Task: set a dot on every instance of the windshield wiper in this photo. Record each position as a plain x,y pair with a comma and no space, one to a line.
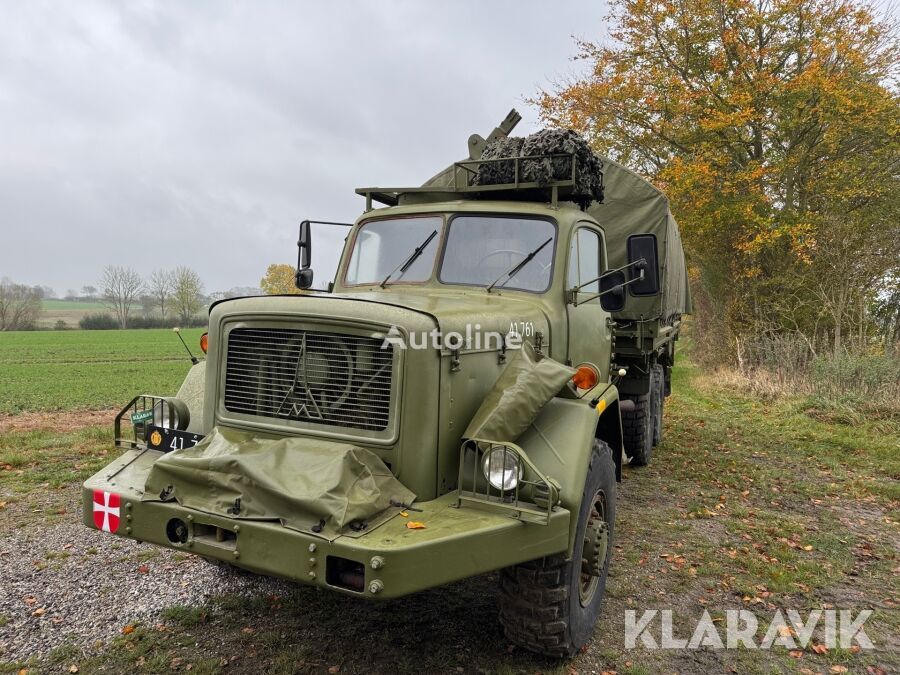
518,268
406,264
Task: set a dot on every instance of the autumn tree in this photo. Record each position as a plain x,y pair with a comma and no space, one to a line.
122,288
774,128
279,280
187,292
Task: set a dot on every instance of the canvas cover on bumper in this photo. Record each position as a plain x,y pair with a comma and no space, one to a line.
310,485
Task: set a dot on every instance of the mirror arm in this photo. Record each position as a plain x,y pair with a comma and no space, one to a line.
639,261
574,291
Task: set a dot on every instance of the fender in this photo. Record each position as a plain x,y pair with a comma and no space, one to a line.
191,393
560,441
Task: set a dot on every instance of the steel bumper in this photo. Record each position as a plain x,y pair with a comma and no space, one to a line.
389,561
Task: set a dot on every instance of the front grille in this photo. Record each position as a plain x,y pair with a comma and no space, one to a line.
310,376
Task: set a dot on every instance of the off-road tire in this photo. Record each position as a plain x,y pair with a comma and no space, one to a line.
540,601
637,429
658,394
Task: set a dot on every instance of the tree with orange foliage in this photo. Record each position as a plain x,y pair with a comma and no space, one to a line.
279,280
774,127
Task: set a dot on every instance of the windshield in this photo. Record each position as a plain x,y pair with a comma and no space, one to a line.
383,246
481,249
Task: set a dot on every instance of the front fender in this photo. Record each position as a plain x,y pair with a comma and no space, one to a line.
191,393
560,442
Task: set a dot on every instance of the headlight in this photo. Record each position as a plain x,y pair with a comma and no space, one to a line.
171,413
502,467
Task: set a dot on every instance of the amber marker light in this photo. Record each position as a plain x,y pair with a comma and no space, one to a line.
586,377
204,342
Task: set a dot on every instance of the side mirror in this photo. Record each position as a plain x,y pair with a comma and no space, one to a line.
304,244
643,246
612,291
304,276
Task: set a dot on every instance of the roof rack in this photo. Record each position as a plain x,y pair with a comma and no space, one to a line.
466,171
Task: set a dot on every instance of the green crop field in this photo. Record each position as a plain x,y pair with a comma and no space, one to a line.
70,312
64,370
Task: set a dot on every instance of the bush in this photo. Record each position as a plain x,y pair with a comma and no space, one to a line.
98,322
60,325
850,387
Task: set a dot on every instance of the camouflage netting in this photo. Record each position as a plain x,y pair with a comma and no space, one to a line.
588,166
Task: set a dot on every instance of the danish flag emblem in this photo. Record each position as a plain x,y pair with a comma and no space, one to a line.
106,511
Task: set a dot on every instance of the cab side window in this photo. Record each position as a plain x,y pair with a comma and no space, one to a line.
584,261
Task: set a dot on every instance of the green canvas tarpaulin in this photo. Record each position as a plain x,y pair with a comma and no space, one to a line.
523,388
631,205
297,481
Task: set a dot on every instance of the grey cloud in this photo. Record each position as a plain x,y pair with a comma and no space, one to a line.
160,134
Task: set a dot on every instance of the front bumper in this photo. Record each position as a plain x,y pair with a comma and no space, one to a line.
386,562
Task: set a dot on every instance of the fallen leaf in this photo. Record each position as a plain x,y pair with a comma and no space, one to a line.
38,612
30,600
807,548
404,514
73,668
415,525
795,653
247,630
143,569
127,629
838,669
820,649
334,669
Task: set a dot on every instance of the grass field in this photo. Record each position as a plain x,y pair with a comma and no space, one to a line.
746,505
64,370
70,312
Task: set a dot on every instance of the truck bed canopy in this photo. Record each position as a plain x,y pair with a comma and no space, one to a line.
631,205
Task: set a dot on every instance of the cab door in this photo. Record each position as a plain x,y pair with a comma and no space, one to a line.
588,336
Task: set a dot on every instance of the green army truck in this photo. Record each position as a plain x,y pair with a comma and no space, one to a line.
453,404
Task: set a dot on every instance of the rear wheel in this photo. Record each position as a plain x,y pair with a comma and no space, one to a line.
658,392
637,429
551,605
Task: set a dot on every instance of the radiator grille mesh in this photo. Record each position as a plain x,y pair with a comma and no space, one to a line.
311,376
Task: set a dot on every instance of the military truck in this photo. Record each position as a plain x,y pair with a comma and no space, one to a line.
453,403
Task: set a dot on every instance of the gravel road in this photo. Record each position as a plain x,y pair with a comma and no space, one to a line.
66,584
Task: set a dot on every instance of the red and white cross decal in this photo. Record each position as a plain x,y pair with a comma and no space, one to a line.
106,511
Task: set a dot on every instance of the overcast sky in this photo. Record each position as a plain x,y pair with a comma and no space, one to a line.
200,133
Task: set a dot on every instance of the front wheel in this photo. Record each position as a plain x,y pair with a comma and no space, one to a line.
551,605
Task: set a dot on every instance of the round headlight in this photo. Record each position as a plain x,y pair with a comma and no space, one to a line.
171,413
502,468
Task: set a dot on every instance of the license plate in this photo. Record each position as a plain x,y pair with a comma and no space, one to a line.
167,440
